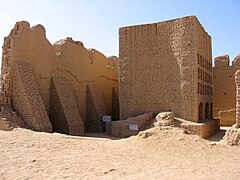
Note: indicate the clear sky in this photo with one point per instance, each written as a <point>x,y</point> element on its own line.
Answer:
<point>96,22</point>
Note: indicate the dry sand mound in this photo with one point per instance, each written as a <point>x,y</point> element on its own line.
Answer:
<point>167,153</point>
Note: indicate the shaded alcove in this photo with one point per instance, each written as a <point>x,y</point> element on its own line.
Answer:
<point>211,110</point>
<point>94,110</point>
<point>200,111</point>
<point>206,110</point>
<point>115,104</point>
<point>56,114</point>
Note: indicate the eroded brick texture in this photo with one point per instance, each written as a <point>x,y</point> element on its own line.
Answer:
<point>95,109</point>
<point>224,101</point>
<point>160,66</point>
<point>7,60</point>
<point>232,135</point>
<point>66,58</point>
<point>237,80</point>
<point>64,114</point>
<point>27,100</point>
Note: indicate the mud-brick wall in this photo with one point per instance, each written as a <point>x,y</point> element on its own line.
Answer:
<point>67,59</point>
<point>26,99</point>
<point>225,89</point>
<point>158,68</point>
<point>203,54</point>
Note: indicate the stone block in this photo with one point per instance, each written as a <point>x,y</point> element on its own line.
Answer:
<point>228,117</point>
<point>129,127</point>
<point>205,129</point>
<point>5,125</point>
<point>164,119</point>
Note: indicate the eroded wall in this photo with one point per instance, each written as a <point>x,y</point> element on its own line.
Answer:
<point>26,99</point>
<point>66,58</point>
<point>225,89</point>
<point>158,67</point>
<point>203,54</point>
<point>237,81</point>
<point>96,108</point>
<point>63,113</point>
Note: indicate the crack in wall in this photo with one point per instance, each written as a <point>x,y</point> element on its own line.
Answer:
<point>75,77</point>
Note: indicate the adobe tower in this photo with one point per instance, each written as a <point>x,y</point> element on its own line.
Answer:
<point>166,66</point>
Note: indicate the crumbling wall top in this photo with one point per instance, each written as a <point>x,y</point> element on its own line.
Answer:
<point>20,26</point>
<point>236,60</point>
<point>222,61</point>
<point>58,44</point>
<point>40,30</point>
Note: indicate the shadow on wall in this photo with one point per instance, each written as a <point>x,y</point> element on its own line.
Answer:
<point>205,111</point>
<point>37,95</point>
<point>95,109</point>
<point>56,112</point>
<point>115,104</point>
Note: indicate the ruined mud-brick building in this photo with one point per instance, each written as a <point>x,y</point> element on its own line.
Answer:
<point>67,88</point>
<point>166,66</point>
<point>225,89</point>
<point>62,87</point>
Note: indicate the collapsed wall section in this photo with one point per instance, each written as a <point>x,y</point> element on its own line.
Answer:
<point>26,99</point>
<point>64,114</point>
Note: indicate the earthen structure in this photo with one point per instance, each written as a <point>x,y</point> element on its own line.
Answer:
<point>67,88</point>
<point>52,86</point>
<point>232,136</point>
<point>130,126</point>
<point>166,66</point>
<point>225,89</point>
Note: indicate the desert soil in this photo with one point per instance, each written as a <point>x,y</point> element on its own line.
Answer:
<point>166,154</point>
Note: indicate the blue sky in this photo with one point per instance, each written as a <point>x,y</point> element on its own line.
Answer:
<point>96,22</point>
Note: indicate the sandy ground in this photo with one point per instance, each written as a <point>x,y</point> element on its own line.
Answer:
<point>167,154</point>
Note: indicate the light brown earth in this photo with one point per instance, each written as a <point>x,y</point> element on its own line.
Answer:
<point>167,154</point>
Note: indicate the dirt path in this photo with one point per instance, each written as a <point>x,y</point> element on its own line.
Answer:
<point>167,154</point>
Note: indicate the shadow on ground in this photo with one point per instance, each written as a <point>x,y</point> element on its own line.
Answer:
<point>101,135</point>
<point>219,136</point>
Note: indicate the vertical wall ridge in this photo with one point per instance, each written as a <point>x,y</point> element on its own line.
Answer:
<point>27,100</point>
<point>64,113</point>
<point>95,109</point>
